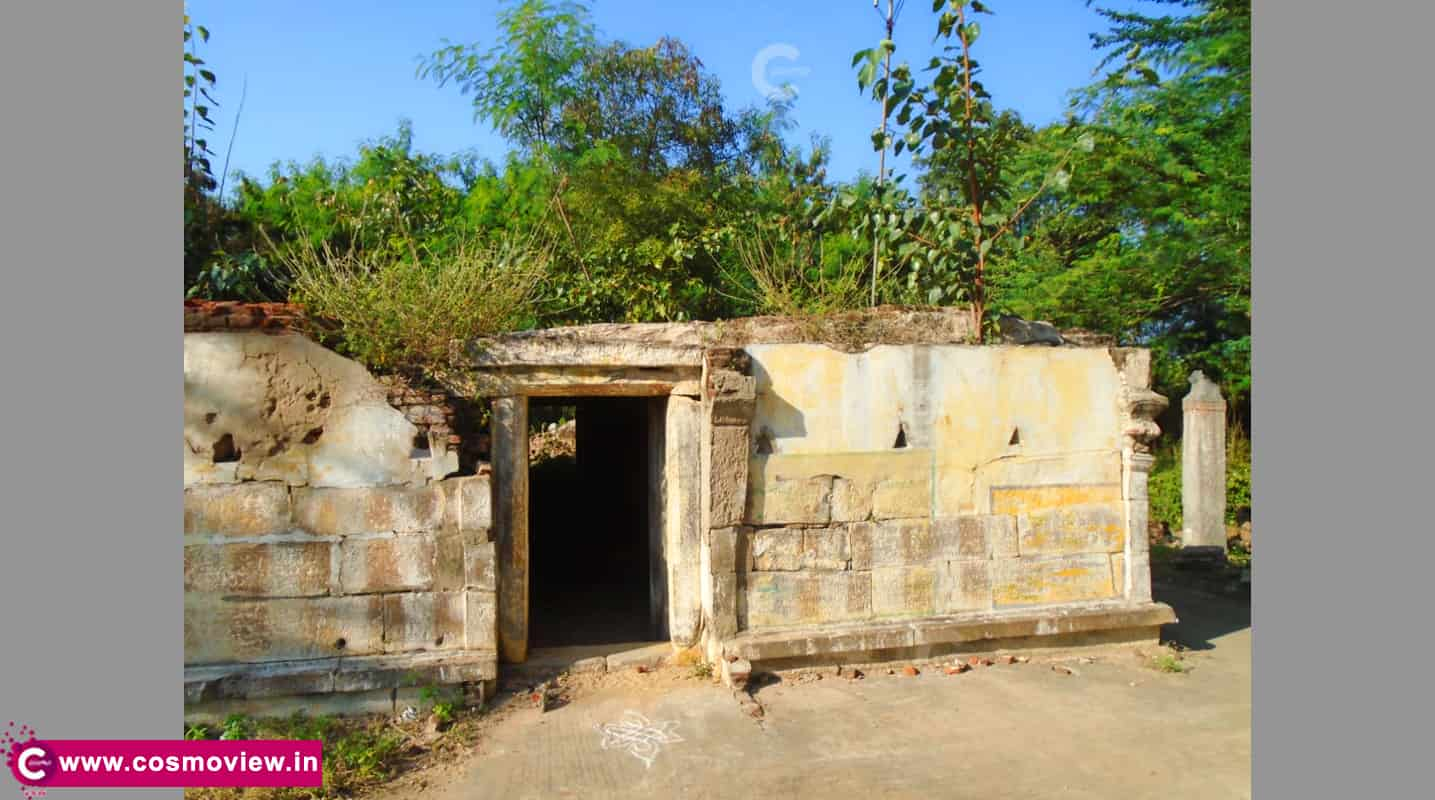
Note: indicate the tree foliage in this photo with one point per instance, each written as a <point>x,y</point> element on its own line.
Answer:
<point>1151,240</point>
<point>655,200</point>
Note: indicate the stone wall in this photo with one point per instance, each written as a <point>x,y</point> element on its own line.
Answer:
<point>920,481</point>
<point>324,552</point>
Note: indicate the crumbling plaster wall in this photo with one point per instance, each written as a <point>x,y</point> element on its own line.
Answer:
<point>926,480</point>
<point>323,551</point>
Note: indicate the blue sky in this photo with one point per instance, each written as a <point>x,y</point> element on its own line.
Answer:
<point>325,76</point>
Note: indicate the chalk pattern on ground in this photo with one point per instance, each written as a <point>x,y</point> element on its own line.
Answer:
<point>638,735</point>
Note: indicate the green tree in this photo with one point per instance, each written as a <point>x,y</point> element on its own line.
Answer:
<point>523,82</point>
<point>649,173</point>
<point>946,237</point>
<point>1151,241</point>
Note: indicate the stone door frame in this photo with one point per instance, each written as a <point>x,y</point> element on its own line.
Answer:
<point>673,521</point>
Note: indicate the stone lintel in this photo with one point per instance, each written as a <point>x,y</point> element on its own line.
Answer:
<point>585,380</point>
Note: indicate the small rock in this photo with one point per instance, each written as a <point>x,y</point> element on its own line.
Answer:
<point>1063,669</point>
<point>910,671</point>
<point>974,661</point>
<point>543,696</point>
<point>957,669</point>
<point>1022,659</point>
<point>858,675</point>
<point>641,668</point>
<point>1007,659</point>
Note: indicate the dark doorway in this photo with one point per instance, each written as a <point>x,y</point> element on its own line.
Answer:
<point>590,516</point>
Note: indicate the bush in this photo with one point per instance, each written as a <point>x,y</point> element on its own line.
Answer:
<point>1164,487</point>
<point>401,308</point>
<point>790,276</point>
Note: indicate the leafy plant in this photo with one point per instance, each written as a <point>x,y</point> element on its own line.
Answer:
<point>441,704</point>
<point>947,239</point>
<point>1170,661</point>
<point>703,669</point>
<point>789,275</point>
<point>236,726</point>
<point>404,308</point>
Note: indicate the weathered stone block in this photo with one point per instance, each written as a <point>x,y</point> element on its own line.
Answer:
<point>216,630</point>
<point>730,550</point>
<point>363,445</point>
<point>733,397</point>
<point>480,619</point>
<point>424,621</point>
<point>851,499</point>
<point>903,498</point>
<point>267,569</point>
<point>792,598</point>
<point>1060,579</point>
<point>882,484</point>
<point>777,549</point>
<point>904,590</point>
<point>290,467</point>
<point>394,563</point>
<point>775,598</point>
<point>797,501</point>
<point>247,509</point>
<point>730,449</point>
<point>337,512</point>
<point>448,570</point>
<point>898,542</point>
<point>480,565</point>
<point>976,536</point>
<point>1137,576</point>
<point>963,585</point>
<point>1033,499</point>
<point>1076,529</point>
<point>725,605</point>
<point>1118,574</point>
<point>844,596</point>
<point>200,470</point>
<point>859,544</point>
<point>468,502</point>
<point>826,548</point>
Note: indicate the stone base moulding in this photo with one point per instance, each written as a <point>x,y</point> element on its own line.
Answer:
<point>350,685</point>
<point>1074,625</point>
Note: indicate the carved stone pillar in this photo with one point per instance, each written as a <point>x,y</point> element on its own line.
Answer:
<point>1141,406</point>
<point>1203,472</point>
<point>510,524</point>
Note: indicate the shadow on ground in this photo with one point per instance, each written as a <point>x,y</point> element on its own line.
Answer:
<point>1206,609</point>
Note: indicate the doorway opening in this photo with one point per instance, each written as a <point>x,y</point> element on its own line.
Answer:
<point>594,524</point>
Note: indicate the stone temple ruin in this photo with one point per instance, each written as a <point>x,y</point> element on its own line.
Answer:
<point>774,492</point>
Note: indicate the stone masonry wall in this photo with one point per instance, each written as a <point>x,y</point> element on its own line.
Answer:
<point>921,481</point>
<point>438,416</point>
<point>322,553</point>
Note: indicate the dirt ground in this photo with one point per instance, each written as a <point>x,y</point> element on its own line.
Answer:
<point>1107,724</point>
